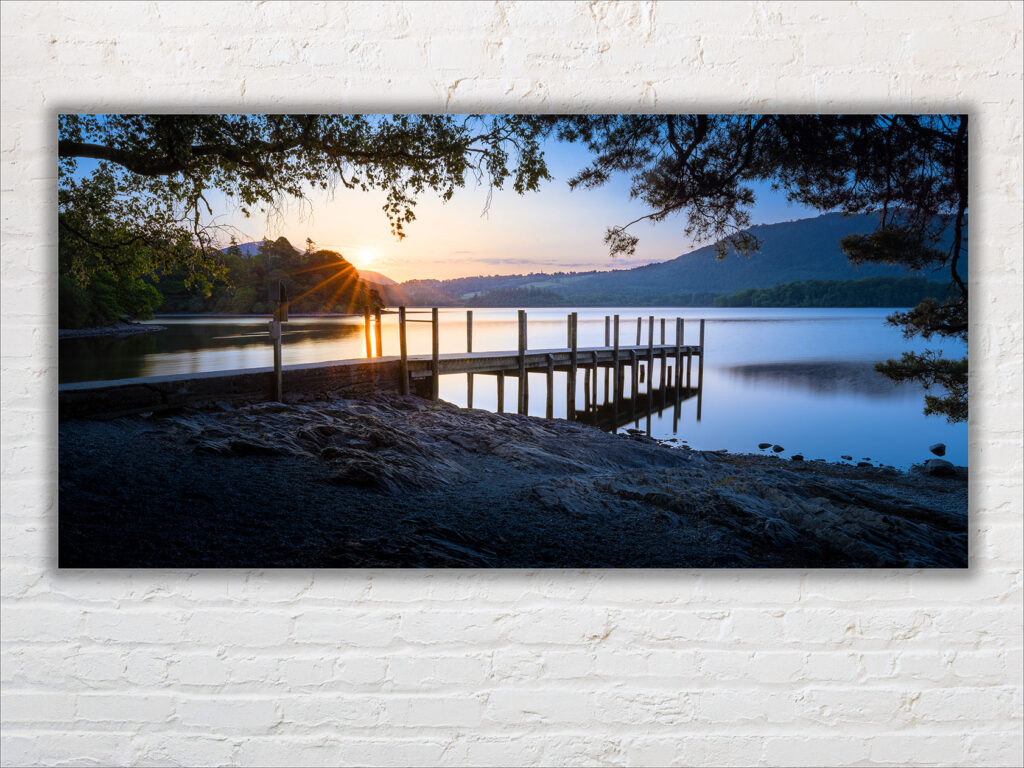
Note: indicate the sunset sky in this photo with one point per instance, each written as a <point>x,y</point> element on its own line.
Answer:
<point>546,231</point>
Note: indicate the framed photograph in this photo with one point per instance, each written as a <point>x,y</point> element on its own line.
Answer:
<point>513,341</point>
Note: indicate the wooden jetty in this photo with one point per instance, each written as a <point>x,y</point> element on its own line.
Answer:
<point>421,373</point>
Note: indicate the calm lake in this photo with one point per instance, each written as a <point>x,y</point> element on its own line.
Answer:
<point>801,378</point>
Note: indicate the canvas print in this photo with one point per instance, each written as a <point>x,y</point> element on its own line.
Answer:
<point>512,341</point>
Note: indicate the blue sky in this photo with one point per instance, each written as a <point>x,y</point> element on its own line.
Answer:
<point>554,229</point>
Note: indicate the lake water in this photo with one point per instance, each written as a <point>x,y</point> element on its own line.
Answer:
<point>801,378</point>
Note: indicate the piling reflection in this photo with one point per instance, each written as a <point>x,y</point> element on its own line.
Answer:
<point>612,415</point>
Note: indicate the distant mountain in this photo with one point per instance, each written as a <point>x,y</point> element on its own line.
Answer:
<point>792,251</point>
<point>376,277</point>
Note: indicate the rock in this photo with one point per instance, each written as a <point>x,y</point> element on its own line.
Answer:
<point>846,458</point>
<point>778,448</point>
<point>762,446</point>
<point>939,468</point>
<point>796,457</point>
<point>939,449</point>
<point>864,464</point>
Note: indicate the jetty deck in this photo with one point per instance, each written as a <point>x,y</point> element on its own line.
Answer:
<point>677,365</point>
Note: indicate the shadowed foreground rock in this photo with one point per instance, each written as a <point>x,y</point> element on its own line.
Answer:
<point>402,482</point>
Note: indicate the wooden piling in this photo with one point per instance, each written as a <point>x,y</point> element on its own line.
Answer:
<point>663,331</point>
<point>501,391</point>
<point>522,361</point>
<point>635,387</point>
<point>650,353</point>
<point>378,333</point>
<point>639,330</point>
<point>635,373</point>
<point>275,334</point>
<point>700,371</point>
<point>469,349</point>
<point>366,328</point>
<point>435,354</point>
<point>607,343</point>
<point>617,372</point>
<point>403,350</point>
<point>549,406</point>
<point>573,362</point>
<point>679,353</point>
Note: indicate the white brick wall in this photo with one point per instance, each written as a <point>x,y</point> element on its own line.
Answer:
<point>548,667</point>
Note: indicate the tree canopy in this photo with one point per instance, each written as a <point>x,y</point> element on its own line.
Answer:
<point>141,205</point>
<point>909,169</point>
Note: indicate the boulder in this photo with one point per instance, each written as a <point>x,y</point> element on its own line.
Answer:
<point>939,449</point>
<point>762,446</point>
<point>778,448</point>
<point>846,458</point>
<point>939,468</point>
<point>796,457</point>
<point>865,464</point>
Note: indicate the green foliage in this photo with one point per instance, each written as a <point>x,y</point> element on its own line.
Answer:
<point>164,165</point>
<point>105,299</point>
<point>932,370</point>
<point>141,210</point>
<point>517,297</point>
<point>316,281</point>
<point>870,292</point>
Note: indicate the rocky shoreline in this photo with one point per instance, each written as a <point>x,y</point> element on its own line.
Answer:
<point>405,482</point>
<point>120,328</point>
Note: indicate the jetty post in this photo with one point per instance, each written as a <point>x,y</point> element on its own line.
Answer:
<point>664,355</point>
<point>636,375</point>
<point>679,354</point>
<point>435,354</point>
<point>366,329</point>
<point>276,332</point>
<point>639,330</point>
<point>617,372</point>
<point>549,406</point>
<point>680,338</point>
<point>573,362</point>
<point>522,361</point>
<point>377,334</point>
<point>650,354</point>
<point>403,350</point>
<point>469,350</point>
<point>633,364</point>
<point>501,391</point>
<point>594,398</point>
<point>607,343</point>
<point>700,371</point>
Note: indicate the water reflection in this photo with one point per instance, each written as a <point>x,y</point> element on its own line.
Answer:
<point>802,378</point>
<point>626,411</point>
<point>820,377</point>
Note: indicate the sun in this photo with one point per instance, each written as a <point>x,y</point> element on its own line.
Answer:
<point>364,257</point>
